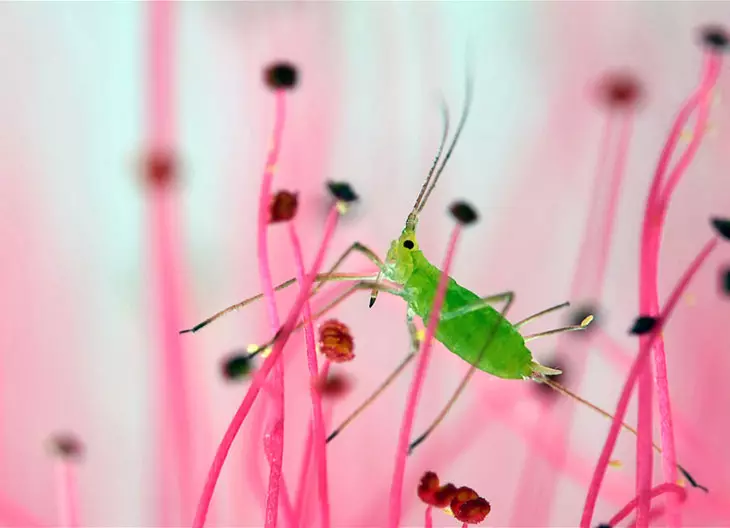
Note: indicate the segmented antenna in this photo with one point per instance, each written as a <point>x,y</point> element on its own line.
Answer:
<point>442,144</point>
<point>459,129</point>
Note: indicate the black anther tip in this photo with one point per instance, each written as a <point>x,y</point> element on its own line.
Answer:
<point>604,525</point>
<point>715,38</point>
<point>725,281</point>
<point>372,302</point>
<point>464,213</point>
<point>331,437</point>
<point>281,75</point>
<point>236,367</point>
<point>66,445</point>
<point>722,226</point>
<point>643,325</point>
<point>342,191</point>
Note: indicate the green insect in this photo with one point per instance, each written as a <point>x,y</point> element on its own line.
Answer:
<point>468,325</point>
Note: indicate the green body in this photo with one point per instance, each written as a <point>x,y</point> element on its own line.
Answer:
<point>466,335</point>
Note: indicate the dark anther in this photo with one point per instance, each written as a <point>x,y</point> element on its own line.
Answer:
<point>725,280</point>
<point>283,207</point>
<point>408,244</point>
<point>281,75</point>
<point>159,168</point>
<point>722,226</point>
<point>236,366</point>
<point>342,191</point>
<point>715,37</point>
<point>619,90</point>
<point>604,525</point>
<point>463,213</point>
<point>66,445</point>
<point>643,324</point>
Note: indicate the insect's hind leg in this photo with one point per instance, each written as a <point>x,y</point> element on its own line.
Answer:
<point>540,314</point>
<point>509,296</point>
<point>415,343</point>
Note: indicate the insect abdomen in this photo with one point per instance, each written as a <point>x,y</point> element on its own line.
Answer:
<point>505,356</point>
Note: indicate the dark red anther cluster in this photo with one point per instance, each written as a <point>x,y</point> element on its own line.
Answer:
<point>283,207</point>
<point>466,505</point>
<point>333,385</point>
<point>335,341</point>
<point>159,168</point>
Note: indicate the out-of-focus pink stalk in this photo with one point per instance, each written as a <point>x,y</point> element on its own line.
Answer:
<point>428,521</point>
<point>654,216</point>
<point>13,515</point>
<point>636,368</point>
<point>67,493</point>
<point>174,449</point>
<point>259,378</point>
<point>667,487</point>
<point>396,488</point>
<point>275,434</point>
<point>587,283</point>
<point>319,438</point>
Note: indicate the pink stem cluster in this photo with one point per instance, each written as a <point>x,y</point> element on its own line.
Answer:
<point>259,377</point>
<point>317,429</point>
<point>396,488</point>
<point>654,216</point>
<point>274,438</point>
<point>655,492</point>
<point>638,365</point>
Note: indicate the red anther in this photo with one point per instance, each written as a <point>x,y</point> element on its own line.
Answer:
<point>431,493</point>
<point>620,90</point>
<point>335,341</point>
<point>462,496</point>
<point>159,168</point>
<point>472,511</point>
<point>283,207</point>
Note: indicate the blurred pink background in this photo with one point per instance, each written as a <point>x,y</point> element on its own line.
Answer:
<point>79,349</point>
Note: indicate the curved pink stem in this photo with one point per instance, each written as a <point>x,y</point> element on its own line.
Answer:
<point>655,214</point>
<point>319,436</point>
<point>655,492</point>
<point>260,376</point>
<point>396,488</point>
<point>636,368</point>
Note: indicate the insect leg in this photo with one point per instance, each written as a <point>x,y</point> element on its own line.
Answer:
<point>415,342</point>
<point>541,313</point>
<point>361,285</point>
<point>509,296</point>
<point>357,246</point>
<point>322,277</point>
<point>572,328</point>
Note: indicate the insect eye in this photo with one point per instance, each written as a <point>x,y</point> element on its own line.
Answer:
<point>408,244</point>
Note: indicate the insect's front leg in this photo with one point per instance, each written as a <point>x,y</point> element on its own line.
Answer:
<point>360,248</point>
<point>508,297</point>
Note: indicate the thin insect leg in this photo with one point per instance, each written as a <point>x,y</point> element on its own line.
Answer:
<point>357,246</point>
<point>464,381</point>
<point>479,305</point>
<point>540,314</point>
<point>323,277</point>
<point>362,285</point>
<point>572,328</point>
<point>415,342</point>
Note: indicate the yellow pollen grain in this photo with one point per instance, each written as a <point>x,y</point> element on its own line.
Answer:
<point>265,353</point>
<point>342,207</point>
<point>681,483</point>
<point>615,463</point>
<point>585,322</point>
<point>690,299</point>
<point>421,335</point>
<point>448,510</point>
<point>252,348</point>
<point>686,135</point>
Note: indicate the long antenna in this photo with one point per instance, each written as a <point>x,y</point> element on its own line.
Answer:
<point>459,129</point>
<point>442,144</point>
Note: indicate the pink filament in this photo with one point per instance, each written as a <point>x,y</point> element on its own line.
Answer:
<point>639,363</point>
<point>275,434</point>
<point>655,492</point>
<point>260,376</point>
<point>319,437</point>
<point>174,442</point>
<point>396,488</point>
<point>428,521</point>
<point>655,214</point>
<point>67,493</point>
